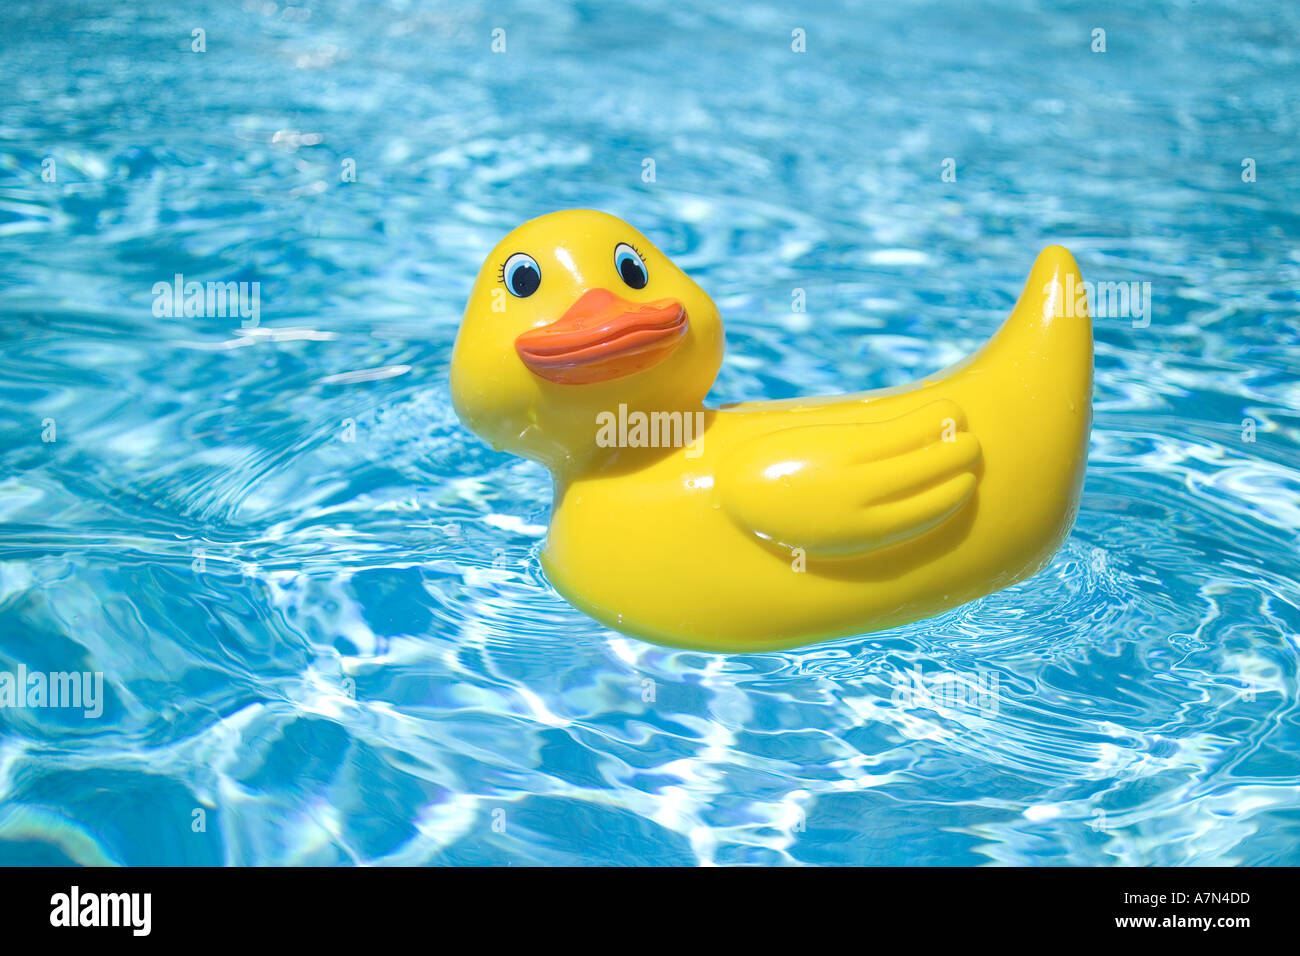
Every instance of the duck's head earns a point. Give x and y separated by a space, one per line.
572 315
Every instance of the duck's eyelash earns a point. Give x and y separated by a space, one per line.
501 273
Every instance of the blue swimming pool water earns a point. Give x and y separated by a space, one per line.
315 600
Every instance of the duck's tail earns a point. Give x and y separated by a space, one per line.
1028 397
1052 319
1051 326
1044 349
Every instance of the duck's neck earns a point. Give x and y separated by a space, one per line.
626 440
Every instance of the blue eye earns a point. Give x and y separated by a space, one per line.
521 275
630 266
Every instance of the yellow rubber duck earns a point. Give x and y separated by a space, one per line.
775 524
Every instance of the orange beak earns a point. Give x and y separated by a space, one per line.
603 337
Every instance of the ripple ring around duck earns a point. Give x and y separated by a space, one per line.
764 525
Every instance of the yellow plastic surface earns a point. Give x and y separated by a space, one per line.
784 523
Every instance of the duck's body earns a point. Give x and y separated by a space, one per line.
788 522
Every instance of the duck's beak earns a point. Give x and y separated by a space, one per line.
603 337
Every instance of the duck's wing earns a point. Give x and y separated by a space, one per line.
848 489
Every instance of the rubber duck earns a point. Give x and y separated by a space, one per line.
771 524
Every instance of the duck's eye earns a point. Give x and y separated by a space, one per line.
630 266
521 275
